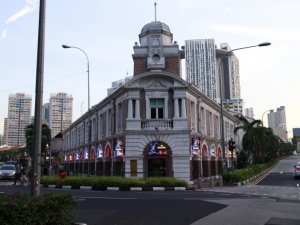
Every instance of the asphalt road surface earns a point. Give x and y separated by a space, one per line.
274 201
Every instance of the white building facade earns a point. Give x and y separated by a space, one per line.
156 124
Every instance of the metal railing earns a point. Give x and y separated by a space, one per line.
157 123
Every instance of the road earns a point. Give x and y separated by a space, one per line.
275 200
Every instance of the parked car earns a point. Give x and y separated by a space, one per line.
11 163
297 170
7 171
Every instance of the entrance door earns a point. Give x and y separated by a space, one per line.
157 167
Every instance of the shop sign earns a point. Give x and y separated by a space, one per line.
86 153
195 150
99 152
76 155
156 149
119 148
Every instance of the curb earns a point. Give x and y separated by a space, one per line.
119 188
255 178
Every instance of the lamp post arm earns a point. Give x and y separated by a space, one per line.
88 69
262 117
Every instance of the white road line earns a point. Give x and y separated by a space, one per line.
87 197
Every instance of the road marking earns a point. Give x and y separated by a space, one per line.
82 197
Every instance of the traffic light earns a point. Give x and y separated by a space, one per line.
231 145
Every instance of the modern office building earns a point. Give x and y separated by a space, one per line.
229 68
116 84
60 112
249 112
19 115
277 121
234 105
156 124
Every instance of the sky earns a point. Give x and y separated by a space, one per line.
107 31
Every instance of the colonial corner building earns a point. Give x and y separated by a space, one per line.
156 124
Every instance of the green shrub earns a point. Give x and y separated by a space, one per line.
230 177
113 181
46 209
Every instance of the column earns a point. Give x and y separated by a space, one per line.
129 109
137 109
166 109
176 109
183 108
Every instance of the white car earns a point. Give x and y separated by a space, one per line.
297 170
7 171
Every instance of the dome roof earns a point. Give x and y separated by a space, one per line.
155 27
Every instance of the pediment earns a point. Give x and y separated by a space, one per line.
156 82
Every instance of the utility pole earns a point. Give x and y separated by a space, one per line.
36 165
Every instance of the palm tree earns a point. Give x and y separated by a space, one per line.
258 141
250 139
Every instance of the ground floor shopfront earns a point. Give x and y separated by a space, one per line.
182 156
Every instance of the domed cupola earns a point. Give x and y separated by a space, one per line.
154 31
156 27
156 50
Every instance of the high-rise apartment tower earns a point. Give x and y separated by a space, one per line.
60 112
19 117
204 65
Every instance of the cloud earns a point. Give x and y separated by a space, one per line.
28 8
4 34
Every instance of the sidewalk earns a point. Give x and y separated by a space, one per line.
260 211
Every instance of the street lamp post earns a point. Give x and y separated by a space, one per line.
88 70
88 76
221 92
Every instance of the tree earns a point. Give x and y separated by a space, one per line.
46 138
249 140
258 141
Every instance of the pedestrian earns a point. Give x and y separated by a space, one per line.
18 173
24 178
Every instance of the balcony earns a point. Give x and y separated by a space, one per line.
149 124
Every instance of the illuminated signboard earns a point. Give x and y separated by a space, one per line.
71 156
212 152
195 146
86 153
99 152
157 149
119 148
